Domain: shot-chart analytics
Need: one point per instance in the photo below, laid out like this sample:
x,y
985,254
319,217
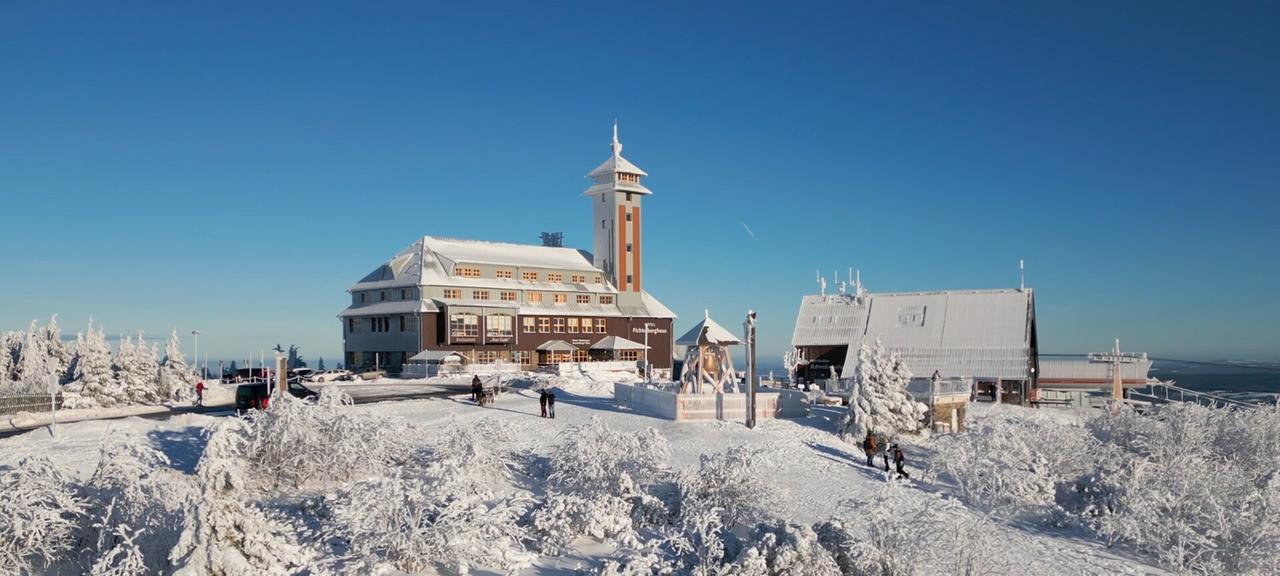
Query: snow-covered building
x,y
986,336
495,301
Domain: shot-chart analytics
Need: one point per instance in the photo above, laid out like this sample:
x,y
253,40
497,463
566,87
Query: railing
x,y
1165,392
27,403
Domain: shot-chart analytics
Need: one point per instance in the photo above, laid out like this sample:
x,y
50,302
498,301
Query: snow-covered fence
x,y
572,368
26,403
672,406
428,370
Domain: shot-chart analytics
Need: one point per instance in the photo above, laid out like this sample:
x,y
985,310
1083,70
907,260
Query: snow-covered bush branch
x,y
40,513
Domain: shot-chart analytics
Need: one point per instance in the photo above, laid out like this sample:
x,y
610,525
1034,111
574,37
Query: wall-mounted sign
x,y
651,330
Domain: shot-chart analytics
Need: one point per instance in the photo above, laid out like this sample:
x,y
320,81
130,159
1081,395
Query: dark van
x,y
257,395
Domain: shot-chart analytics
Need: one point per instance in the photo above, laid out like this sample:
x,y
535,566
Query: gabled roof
x,y
708,332
616,163
557,346
617,343
432,259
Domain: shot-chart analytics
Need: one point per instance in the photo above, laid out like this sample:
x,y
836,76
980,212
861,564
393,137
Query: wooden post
x,y
282,377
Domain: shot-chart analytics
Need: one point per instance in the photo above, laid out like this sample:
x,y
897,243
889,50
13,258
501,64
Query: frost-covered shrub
x,y
1196,487
596,485
295,441
39,515
140,503
778,548
725,482
438,510
881,403
136,370
1010,460
225,534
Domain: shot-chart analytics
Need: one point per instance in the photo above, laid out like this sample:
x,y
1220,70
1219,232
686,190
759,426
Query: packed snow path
x,y
812,470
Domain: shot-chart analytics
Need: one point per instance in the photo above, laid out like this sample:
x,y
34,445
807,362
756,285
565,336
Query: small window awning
x,y
435,356
557,346
616,343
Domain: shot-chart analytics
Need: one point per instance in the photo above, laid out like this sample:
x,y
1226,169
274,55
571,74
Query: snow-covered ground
x,y
812,474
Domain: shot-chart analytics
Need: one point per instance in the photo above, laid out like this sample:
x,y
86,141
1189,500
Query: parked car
x,y
371,374
258,395
329,376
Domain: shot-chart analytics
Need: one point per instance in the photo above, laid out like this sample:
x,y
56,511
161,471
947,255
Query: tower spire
x,y
616,146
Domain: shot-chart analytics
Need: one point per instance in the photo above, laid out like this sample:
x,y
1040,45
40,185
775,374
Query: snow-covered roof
x,y
606,174
431,260
617,343
970,333
642,305
434,356
557,346
615,164
708,332
1071,372
388,308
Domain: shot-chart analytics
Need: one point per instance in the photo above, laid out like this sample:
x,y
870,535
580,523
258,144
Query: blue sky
x,y
234,167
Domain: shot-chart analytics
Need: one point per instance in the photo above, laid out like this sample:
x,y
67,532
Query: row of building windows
x,y
382,295
380,323
467,325
543,325
530,297
527,275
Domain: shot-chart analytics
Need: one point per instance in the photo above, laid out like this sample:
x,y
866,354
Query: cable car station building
x,y
528,304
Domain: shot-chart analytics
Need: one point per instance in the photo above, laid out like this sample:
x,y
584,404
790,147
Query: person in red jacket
x,y
200,393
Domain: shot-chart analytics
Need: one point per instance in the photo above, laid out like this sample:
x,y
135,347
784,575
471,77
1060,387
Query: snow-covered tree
x,y
141,501
137,371
777,548
177,381
728,483
881,403
320,364
39,515
41,354
10,344
225,534
92,381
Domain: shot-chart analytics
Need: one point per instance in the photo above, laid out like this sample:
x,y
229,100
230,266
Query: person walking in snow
x,y
477,388
200,393
542,401
884,447
898,459
551,404
869,447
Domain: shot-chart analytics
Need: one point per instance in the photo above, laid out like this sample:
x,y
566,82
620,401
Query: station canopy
x,y
617,343
557,346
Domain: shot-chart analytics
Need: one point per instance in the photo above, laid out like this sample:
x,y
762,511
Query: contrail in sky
x,y
748,229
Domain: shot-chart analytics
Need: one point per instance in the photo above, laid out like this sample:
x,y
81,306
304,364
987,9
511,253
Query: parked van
x,y
258,395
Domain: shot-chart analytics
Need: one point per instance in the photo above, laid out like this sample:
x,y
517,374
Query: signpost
x,y
53,387
749,327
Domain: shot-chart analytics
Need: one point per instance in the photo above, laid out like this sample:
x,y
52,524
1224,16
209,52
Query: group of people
x,y
547,399
876,445
478,394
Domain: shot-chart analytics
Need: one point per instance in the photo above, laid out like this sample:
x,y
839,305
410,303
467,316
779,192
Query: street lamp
x,y
195,362
648,370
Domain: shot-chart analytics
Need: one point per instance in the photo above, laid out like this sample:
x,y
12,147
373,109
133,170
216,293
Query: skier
x,y
542,401
869,447
551,404
476,388
200,393
898,459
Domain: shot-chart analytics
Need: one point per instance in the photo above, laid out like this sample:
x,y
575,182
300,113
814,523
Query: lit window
x,y
555,277
486,356
606,299
544,325
529,276
600,329
467,272
504,273
579,278
586,326
529,324
533,297
498,326
598,279
559,298
507,296
573,325
464,325
583,298
559,325
480,294
452,293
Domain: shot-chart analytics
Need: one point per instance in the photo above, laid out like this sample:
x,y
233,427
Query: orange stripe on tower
x,y
621,258
635,247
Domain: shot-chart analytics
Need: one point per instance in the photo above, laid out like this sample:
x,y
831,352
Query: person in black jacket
x,y
551,404
477,387
542,401
899,459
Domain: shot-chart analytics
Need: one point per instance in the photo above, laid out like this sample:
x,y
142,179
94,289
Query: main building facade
x,y
492,301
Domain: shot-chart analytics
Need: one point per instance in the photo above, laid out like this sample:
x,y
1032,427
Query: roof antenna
x,y
857,283
1022,278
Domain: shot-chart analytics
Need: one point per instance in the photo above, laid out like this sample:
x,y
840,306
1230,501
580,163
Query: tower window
x,y
628,196
628,278
628,216
628,250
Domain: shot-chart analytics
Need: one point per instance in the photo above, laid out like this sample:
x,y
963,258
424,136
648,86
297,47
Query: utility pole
x,y
648,370
750,328
195,357
1115,358
53,388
